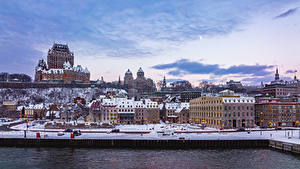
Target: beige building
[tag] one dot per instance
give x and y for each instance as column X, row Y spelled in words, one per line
column 223, row 111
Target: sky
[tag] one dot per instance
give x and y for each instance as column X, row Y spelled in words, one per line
column 194, row 40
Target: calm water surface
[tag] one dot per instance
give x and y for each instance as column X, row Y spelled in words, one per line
column 129, row 158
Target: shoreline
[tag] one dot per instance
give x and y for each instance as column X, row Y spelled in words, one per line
column 151, row 144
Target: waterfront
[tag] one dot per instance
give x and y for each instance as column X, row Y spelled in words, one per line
column 132, row 158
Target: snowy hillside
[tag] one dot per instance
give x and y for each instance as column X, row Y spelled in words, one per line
column 48, row 95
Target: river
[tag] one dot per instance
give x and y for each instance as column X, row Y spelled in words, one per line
column 59, row 158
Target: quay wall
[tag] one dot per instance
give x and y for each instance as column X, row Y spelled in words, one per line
column 123, row 143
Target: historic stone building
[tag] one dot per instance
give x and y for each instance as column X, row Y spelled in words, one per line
column 60, row 67
column 226, row 111
column 139, row 86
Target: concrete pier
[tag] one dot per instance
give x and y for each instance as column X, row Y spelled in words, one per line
column 285, row 146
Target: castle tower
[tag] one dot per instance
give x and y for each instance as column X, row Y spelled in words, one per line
column 58, row 55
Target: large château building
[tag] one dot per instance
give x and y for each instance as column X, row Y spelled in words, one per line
column 60, row 67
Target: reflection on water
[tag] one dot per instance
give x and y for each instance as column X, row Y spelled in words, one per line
column 129, row 158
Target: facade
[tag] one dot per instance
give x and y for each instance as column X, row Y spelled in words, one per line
column 124, row 111
column 104, row 111
column 60, row 67
column 294, row 83
column 223, row 111
column 275, row 112
column 139, row 86
column 175, row 112
column 53, row 112
column 9, row 109
column 32, row 111
column 186, row 96
column 279, row 90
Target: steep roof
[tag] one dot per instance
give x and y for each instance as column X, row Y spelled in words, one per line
column 140, row 70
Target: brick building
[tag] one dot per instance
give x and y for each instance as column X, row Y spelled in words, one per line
column 277, row 112
column 60, row 67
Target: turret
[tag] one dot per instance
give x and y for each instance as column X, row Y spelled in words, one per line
column 128, row 77
column 140, row 73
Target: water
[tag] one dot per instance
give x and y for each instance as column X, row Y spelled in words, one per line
column 129, row 158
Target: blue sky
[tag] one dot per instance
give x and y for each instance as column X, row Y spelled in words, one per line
column 192, row 40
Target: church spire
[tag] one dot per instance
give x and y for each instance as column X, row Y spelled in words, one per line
column 164, row 82
column 276, row 75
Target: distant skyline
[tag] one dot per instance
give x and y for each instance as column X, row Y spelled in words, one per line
column 194, row 40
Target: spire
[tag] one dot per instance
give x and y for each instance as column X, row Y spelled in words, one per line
column 164, row 82
column 276, row 75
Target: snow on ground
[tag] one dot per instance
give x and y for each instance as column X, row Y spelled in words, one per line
column 276, row 135
column 155, row 133
column 8, row 121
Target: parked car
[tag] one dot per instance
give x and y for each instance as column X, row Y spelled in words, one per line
column 60, row 134
column 241, row 129
column 115, row 130
column 68, row 130
column 77, row 132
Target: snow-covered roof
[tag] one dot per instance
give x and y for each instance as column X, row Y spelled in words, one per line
column 238, row 100
column 126, row 103
column 78, row 68
column 33, row 107
column 177, row 106
column 67, row 65
column 86, row 70
column 56, row 114
column 53, row 71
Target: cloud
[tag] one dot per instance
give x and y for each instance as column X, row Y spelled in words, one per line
column 286, row 14
column 117, row 28
column 264, row 79
column 290, row 71
column 184, row 66
column 173, row 80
